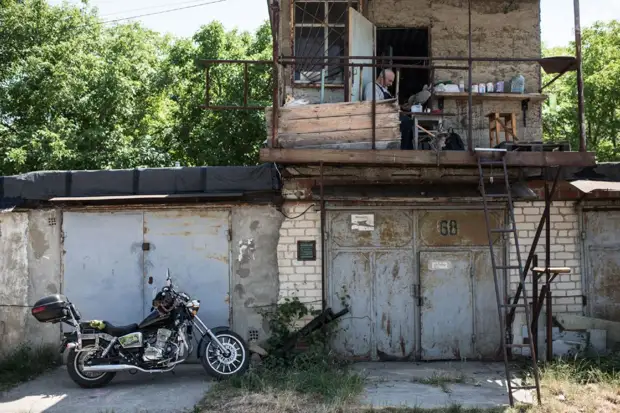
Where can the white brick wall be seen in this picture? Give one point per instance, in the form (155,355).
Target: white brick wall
(565,251)
(298,278)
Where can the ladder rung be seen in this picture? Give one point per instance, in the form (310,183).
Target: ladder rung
(488,162)
(503,230)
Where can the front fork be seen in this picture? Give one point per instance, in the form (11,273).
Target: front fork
(204,330)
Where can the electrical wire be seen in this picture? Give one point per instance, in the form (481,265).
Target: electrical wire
(163,11)
(151,7)
(287,217)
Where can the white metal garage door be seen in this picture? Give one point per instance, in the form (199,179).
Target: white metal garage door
(103,265)
(109,258)
(602,248)
(193,244)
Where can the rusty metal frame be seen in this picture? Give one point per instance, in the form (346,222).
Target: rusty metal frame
(279,61)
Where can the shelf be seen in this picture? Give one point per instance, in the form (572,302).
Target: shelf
(535,97)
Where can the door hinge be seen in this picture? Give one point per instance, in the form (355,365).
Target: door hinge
(471,271)
(583,235)
(146,246)
(229,234)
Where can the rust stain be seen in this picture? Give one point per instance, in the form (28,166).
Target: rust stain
(383,318)
(227,299)
(388,328)
(221,258)
(402,346)
(457,228)
(395,269)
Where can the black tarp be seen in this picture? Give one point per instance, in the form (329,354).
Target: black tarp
(45,185)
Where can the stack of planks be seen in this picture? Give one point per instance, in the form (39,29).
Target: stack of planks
(336,125)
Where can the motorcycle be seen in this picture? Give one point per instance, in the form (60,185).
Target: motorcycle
(163,340)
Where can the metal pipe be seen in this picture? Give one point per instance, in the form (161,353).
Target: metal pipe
(208,62)
(535,309)
(530,256)
(322,85)
(374,105)
(580,97)
(232,107)
(246,82)
(426,58)
(547,273)
(108,368)
(208,85)
(323,247)
(395,66)
(275,6)
(470,111)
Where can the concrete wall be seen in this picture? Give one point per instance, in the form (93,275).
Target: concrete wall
(254,279)
(29,270)
(500,29)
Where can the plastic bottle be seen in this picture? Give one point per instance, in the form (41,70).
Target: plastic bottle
(517,84)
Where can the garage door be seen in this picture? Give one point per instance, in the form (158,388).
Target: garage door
(372,261)
(458,310)
(109,258)
(602,247)
(103,265)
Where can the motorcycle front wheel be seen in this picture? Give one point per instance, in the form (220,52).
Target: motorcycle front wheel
(234,361)
(75,365)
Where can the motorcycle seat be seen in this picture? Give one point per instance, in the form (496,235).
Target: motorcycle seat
(118,331)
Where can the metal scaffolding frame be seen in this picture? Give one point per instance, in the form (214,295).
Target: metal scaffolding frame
(559,66)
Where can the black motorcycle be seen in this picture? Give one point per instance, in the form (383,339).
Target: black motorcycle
(164,339)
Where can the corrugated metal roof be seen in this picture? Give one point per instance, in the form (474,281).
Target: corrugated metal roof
(588,186)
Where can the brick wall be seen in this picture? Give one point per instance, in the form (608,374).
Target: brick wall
(297,278)
(565,251)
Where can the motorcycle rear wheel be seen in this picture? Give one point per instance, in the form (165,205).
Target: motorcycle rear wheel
(75,361)
(217,364)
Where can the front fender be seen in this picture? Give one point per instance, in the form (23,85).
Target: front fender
(206,339)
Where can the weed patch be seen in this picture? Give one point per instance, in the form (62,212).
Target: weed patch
(25,363)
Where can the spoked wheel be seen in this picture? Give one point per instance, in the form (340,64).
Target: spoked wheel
(234,360)
(75,368)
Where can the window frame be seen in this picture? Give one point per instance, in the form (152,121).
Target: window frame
(326,25)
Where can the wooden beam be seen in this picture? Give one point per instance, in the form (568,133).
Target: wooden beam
(400,157)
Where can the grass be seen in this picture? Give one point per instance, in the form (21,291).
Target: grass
(568,386)
(442,380)
(313,382)
(26,363)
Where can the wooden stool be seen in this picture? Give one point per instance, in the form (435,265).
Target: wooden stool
(498,122)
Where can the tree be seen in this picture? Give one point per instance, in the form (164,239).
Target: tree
(218,137)
(601,74)
(78,94)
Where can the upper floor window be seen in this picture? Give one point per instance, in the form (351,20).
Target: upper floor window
(320,32)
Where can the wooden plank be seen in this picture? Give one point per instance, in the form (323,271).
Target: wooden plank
(535,97)
(400,157)
(342,123)
(333,109)
(362,135)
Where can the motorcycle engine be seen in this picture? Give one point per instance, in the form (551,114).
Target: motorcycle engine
(158,346)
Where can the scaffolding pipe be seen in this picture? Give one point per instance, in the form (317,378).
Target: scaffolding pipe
(275,6)
(580,97)
(470,111)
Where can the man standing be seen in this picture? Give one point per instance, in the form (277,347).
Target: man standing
(380,85)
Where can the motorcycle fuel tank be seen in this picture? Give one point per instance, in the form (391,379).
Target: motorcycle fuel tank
(154,319)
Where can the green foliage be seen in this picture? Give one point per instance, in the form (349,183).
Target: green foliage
(586,370)
(25,363)
(78,94)
(601,74)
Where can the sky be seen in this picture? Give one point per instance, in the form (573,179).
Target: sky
(557,15)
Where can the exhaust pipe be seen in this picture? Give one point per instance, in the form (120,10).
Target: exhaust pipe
(109,368)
